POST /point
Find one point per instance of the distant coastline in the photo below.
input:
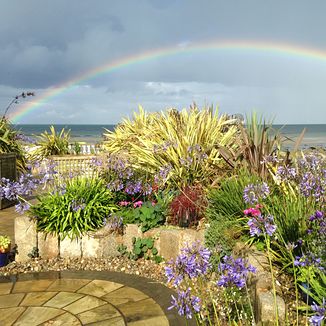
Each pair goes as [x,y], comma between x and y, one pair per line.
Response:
[315,135]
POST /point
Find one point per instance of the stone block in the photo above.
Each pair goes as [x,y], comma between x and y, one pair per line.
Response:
[48,245]
[70,248]
[131,231]
[265,312]
[25,237]
[155,234]
[169,243]
[101,247]
[189,236]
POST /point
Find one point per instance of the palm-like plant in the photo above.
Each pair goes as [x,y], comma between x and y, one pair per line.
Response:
[186,141]
[9,143]
[257,141]
[53,143]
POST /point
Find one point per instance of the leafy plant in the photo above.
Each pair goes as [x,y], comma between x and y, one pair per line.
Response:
[53,143]
[187,208]
[4,243]
[77,207]
[149,215]
[185,145]
[34,253]
[227,199]
[142,248]
[257,141]
[9,143]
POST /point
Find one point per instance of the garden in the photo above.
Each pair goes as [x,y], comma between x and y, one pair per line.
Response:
[253,198]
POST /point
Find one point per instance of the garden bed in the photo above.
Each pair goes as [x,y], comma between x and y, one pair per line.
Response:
[99,244]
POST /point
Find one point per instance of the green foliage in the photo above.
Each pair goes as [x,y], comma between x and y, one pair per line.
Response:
[4,243]
[222,234]
[77,148]
[315,281]
[142,248]
[290,212]
[257,140]
[34,253]
[53,143]
[227,200]
[80,207]
[148,215]
[186,142]
[9,143]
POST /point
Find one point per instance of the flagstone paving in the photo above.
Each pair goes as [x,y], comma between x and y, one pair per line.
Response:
[84,298]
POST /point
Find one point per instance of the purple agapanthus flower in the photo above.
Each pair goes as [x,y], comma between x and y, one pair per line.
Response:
[307,260]
[254,192]
[234,272]
[77,205]
[319,316]
[186,303]
[261,224]
[192,262]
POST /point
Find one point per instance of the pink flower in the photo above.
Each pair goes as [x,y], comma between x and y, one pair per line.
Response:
[124,203]
[252,212]
[153,203]
[138,203]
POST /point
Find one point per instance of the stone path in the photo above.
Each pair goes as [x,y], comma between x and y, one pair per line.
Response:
[84,298]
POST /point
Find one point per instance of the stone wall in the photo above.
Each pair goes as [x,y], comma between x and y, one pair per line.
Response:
[99,244]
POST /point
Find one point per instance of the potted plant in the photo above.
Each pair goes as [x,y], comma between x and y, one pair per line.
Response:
[4,249]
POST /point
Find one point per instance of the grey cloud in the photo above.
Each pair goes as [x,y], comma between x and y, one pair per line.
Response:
[44,43]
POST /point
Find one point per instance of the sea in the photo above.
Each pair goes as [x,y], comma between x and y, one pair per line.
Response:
[315,134]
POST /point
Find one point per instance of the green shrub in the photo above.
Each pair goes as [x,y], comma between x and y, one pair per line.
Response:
[182,145]
[148,215]
[142,248]
[9,143]
[290,212]
[227,200]
[53,143]
[222,234]
[81,206]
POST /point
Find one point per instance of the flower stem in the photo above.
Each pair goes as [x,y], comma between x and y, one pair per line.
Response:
[273,279]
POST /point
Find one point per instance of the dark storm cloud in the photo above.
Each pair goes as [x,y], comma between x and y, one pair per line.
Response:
[44,43]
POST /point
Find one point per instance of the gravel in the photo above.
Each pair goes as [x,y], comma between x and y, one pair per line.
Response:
[141,267]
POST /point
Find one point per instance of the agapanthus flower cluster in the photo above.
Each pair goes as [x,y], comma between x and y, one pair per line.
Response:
[234,272]
[24,138]
[319,314]
[17,190]
[286,173]
[195,155]
[114,223]
[186,303]
[312,176]
[317,223]
[77,205]
[258,223]
[164,146]
[255,192]
[192,262]
[307,260]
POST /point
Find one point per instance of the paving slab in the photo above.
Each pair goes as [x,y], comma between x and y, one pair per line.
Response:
[85,298]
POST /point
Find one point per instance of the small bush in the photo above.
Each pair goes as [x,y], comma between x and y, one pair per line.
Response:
[227,200]
[149,215]
[80,206]
[187,208]
[53,143]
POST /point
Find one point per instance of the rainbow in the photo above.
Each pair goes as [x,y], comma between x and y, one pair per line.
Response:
[277,49]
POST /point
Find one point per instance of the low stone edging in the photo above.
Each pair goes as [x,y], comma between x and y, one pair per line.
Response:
[261,287]
[99,244]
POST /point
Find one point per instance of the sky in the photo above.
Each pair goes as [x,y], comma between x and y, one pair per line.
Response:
[44,44]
